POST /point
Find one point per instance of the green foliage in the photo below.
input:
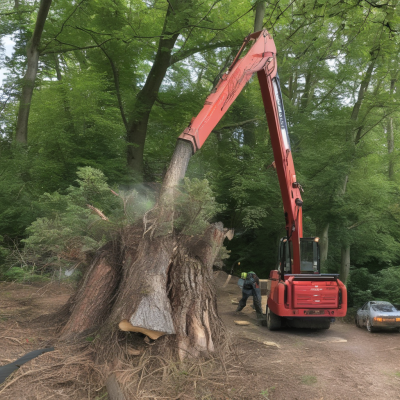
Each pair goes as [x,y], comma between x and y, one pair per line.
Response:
[69,228]
[387,285]
[359,287]
[365,286]
[22,275]
[195,206]
[90,72]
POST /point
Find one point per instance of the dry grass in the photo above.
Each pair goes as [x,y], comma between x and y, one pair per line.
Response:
[79,370]
[68,372]
[158,377]
[71,372]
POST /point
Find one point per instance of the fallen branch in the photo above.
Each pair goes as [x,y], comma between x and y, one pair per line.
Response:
[98,212]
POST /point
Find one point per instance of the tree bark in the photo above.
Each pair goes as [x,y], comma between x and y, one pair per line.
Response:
[138,121]
[308,90]
[345,263]
[57,66]
[363,87]
[259,17]
[30,75]
[390,134]
[89,306]
[323,244]
[249,136]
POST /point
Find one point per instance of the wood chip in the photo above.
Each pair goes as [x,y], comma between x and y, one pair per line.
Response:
[273,344]
[234,302]
[337,340]
[242,322]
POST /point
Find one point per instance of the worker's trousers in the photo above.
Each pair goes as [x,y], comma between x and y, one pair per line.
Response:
[246,293]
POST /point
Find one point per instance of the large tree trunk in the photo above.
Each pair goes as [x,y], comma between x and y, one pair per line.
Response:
[30,75]
[259,17]
[138,121]
[89,306]
[323,243]
[345,264]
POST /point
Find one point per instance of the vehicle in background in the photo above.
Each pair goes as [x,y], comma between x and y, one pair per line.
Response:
[377,315]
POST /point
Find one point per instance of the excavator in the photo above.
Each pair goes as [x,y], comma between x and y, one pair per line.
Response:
[300,295]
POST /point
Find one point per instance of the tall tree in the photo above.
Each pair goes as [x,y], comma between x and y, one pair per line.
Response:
[32,53]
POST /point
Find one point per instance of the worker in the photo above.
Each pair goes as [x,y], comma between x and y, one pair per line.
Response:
[251,287]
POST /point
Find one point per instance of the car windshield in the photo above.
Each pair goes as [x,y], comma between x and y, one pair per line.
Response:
[383,307]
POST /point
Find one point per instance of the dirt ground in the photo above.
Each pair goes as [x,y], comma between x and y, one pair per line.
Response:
[343,362]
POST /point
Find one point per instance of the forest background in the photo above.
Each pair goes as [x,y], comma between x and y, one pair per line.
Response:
[117,81]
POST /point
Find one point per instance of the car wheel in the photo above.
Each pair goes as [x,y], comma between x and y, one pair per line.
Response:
[370,328]
[274,322]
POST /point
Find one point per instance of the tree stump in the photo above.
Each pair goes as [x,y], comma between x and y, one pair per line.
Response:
[154,280]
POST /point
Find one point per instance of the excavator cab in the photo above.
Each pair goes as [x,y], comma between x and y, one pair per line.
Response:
[309,256]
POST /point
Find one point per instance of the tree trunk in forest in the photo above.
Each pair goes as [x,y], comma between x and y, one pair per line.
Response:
[307,94]
[390,135]
[259,17]
[345,251]
[363,88]
[57,66]
[390,141]
[138,121]
[249,136]
[323,244]
[30,75]
[345,264]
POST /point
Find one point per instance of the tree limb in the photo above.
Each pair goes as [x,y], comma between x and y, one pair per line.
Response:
[236,125]
[63,24]
[179,56]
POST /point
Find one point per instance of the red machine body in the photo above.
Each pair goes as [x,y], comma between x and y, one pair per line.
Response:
[293,293]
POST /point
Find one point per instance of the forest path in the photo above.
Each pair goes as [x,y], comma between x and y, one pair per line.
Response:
[343,362]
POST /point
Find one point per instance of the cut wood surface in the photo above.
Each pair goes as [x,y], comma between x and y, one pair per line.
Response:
[126,326]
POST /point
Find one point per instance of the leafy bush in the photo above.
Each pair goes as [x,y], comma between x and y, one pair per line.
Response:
[359,287]
[75,225]
[387,285]
[20,274]
[364,286]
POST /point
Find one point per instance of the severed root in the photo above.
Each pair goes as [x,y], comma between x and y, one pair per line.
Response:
[133,352]
[126,326]
[227,281]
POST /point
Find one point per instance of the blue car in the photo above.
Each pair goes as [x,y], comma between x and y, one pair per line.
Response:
[377,315]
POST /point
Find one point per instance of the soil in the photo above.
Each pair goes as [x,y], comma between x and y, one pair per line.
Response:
[344,362]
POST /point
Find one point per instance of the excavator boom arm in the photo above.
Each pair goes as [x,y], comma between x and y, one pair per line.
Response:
[260,59]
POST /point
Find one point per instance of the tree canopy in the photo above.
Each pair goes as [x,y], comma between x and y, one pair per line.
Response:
[118,81]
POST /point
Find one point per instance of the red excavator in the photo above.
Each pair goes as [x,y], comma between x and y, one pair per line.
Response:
[299,295]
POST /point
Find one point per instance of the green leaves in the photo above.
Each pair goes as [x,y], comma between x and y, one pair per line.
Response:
[195,206]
